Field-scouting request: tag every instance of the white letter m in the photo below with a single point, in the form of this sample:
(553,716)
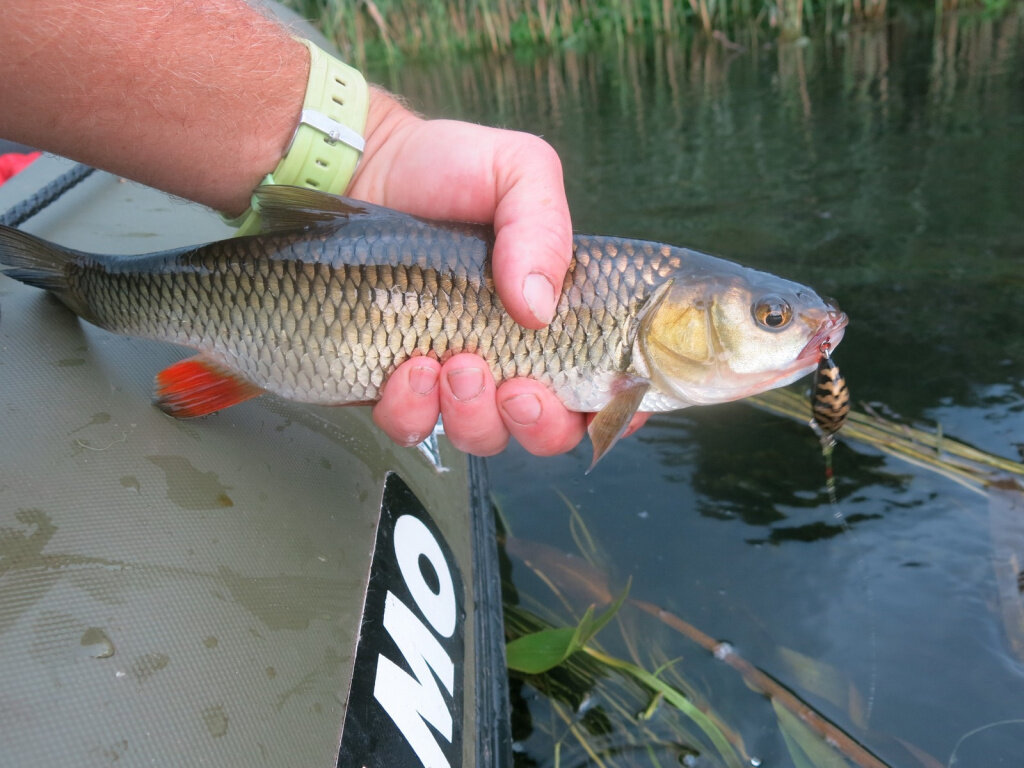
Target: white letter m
(412,703)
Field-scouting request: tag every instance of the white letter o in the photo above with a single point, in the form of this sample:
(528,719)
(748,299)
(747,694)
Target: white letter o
(413,539)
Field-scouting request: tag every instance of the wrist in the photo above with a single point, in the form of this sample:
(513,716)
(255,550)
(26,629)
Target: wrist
(324,149)
(388,120)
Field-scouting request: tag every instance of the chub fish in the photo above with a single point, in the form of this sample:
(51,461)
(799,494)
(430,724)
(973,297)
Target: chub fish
(333,294)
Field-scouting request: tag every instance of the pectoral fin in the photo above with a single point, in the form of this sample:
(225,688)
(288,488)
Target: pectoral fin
(197,386)
(612,420)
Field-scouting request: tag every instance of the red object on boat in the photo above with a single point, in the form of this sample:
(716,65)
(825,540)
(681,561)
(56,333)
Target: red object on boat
(14,162)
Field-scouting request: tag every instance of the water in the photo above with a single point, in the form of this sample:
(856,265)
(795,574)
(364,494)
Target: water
(884,167)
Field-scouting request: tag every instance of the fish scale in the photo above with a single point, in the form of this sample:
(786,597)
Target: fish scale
(334,294)
(313,312)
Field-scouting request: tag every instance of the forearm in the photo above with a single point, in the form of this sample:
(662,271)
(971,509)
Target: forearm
(195,97)
(200,98)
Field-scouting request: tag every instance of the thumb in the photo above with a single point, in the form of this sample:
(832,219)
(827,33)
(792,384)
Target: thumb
(533,232)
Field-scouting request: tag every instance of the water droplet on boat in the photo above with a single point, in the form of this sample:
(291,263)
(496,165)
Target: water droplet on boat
(216,720)
(97,644)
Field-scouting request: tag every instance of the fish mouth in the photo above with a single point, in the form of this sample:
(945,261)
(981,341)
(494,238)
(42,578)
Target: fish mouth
(830,332)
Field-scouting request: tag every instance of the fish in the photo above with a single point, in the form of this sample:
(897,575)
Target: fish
(830,398)
(333,294)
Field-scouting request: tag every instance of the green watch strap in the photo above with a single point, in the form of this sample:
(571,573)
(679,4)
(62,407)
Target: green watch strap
(325,149)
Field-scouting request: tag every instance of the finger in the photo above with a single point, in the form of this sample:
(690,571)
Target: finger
(409,403)
(533,231)
(537,419)
(471,419)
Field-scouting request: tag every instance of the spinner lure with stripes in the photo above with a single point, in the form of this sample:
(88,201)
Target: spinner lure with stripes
(830,399)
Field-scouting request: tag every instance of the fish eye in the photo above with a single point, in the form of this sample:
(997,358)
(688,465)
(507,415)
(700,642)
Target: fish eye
(772,312)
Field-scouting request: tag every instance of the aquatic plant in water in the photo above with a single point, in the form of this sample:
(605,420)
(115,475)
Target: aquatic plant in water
(642,709)
(566,663)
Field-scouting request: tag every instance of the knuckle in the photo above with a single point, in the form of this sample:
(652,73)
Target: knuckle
(539,149)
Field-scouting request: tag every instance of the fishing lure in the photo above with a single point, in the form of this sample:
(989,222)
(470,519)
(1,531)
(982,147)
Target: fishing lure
(830,405)
(830,399)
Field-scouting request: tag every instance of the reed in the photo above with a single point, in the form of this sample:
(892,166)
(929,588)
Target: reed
(379,29)
(649,708)
(976,470)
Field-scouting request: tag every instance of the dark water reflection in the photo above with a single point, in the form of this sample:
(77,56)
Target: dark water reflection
(885,167)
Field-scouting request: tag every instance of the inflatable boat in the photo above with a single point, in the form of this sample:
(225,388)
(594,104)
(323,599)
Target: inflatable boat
(276,584)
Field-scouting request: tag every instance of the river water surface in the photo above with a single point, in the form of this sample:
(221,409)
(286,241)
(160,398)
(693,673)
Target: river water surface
(884,167)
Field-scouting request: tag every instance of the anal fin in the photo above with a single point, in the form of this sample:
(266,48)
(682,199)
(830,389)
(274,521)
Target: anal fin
(198,386)
(611,421)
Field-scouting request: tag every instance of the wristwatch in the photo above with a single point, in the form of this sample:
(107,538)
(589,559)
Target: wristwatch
(328,141)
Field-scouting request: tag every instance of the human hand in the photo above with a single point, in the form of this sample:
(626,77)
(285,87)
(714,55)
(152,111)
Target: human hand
(445,169)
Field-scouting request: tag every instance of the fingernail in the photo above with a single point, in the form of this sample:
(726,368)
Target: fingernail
(466,383)
(422,380)
(523,409)
(540,296)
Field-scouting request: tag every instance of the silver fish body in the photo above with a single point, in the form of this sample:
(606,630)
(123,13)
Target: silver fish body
(334,294)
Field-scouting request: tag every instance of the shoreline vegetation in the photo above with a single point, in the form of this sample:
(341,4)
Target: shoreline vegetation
(388,30)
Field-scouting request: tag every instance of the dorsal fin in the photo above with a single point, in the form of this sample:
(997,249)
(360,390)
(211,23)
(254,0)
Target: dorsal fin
(284,208)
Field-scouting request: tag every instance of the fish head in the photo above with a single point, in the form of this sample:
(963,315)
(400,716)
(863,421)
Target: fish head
(733,332)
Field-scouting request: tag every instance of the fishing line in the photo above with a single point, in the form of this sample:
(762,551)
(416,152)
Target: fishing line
(830,405)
